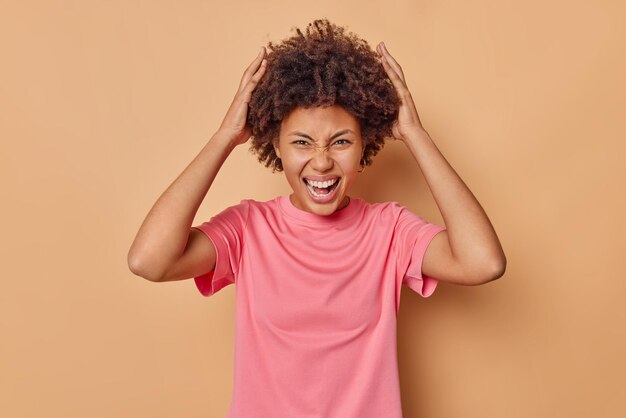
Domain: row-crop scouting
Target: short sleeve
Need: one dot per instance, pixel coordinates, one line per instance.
(412, 236)
(226, 231)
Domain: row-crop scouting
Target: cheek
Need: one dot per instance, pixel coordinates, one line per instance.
(349, 162)
(292, 168)
(294, 161)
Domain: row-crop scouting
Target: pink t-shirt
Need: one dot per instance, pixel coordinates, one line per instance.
(317, 299)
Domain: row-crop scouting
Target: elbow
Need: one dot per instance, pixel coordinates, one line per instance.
(497, 270)
(135, 266)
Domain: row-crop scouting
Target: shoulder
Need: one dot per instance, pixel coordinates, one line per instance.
(381, 206)
(260, 208)
(240, 208)
(390, 210)
(271, 204)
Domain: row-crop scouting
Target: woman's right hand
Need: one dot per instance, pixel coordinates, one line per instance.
(234, 124)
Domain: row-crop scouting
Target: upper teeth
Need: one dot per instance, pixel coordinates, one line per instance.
(322, 183)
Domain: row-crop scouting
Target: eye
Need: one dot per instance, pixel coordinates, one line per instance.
(304, 142)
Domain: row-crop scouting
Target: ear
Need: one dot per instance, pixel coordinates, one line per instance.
(276, 145)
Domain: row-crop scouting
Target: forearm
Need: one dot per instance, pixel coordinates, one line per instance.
(163, 235)
(470, 233)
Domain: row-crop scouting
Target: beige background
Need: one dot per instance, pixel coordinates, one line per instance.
(103, 104)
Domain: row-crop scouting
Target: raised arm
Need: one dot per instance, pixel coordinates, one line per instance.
(164, 234)
(468, 252)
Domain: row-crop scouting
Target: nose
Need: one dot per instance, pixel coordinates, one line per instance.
(322, 161)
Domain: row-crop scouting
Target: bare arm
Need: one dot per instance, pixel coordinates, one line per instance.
(163, 235)
(468, 251)
(161, 245)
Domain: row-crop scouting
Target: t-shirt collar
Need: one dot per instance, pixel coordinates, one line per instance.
(340, 215)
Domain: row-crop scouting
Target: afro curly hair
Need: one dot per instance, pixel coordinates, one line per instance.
(323, 67)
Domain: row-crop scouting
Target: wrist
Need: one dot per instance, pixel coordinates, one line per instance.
(224, 140)
(418, 135)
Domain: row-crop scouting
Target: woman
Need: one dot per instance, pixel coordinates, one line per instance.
(318, 273)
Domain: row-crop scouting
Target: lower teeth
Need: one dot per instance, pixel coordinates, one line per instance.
(320, 195)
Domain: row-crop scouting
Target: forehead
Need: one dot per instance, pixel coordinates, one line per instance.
(319, 121)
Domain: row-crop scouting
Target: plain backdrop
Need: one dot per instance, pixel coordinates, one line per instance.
(104, 103)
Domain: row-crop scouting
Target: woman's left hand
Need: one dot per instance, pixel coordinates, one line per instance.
(408, 122)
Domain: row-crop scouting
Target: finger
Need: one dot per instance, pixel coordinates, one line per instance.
(390, 60)
(252, 83)
(251, 69)
(244, 94)
(257, 76)
(393, 76)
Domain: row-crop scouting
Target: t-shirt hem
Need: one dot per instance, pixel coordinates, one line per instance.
(206, 283)
(414, 278)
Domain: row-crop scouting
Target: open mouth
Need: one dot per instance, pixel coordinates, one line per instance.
(318, 192)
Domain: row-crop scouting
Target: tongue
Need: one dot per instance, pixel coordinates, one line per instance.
(321, 190)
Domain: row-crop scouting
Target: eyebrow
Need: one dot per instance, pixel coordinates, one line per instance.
(332, 137)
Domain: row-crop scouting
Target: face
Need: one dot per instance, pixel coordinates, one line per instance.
(321, 150)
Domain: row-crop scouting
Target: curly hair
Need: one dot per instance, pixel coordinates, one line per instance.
(323, 67)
